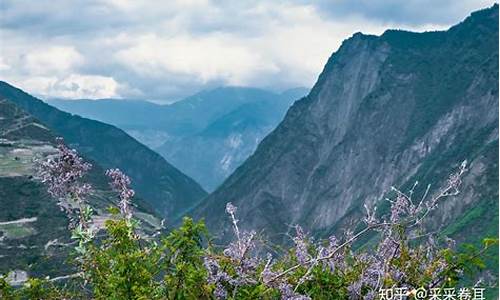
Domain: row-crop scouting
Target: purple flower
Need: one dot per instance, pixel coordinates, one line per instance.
(270, 280)
(217, 276)
(370, 295)
(451, 243)
(398, 275)
(336, 260)
(239, 252)
(63, 172)
(399, 208)
(267, 274)
(220, 292)
(370, 278)
(213, 269)
(230, 208)
(300, 240)
(386, 248)
(287, 293)
(372, 275)
(120, 184)
(238, 249)
(354, 289)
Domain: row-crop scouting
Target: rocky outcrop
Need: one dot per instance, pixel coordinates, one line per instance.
(386, 110)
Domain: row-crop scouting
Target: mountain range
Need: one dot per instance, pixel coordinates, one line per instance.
(386, 111)
(34, 234)
(168, 191)
(206, 135)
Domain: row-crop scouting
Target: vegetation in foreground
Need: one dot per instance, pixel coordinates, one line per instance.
(118, 262)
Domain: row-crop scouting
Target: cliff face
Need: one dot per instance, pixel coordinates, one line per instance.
(385, 111)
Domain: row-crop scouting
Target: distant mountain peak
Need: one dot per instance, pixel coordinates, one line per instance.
(191, 133)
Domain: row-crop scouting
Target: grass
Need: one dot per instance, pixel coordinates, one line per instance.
(16, 231)
(150, 219)
(474, 216)
(18, 160)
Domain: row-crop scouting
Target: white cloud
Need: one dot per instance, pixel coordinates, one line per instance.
(408, 12)
(3, 65)
(289, 51)
(162, 51)
(73, 86)
(52, 60)
(209, 58)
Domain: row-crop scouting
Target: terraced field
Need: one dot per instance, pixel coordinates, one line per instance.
(34, 236)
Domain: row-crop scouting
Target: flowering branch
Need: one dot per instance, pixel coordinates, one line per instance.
(62, 174)
(404, 213)
(120, 183)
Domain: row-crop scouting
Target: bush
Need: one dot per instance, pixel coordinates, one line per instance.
(185, 265)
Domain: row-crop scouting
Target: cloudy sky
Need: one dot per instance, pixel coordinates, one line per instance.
(165, 50)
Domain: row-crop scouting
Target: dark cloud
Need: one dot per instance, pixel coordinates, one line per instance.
(158, 51)
(60, 17)
(408, 12)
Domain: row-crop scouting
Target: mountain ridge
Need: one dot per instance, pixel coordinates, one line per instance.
(34, 234)
(167, 189)
(184, 132)
(378, 113)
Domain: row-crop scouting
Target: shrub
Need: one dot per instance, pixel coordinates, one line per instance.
(185, 265)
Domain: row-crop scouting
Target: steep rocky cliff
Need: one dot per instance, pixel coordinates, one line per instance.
(386, 110)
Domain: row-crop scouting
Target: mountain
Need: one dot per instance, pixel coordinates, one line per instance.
(166, 189)
(34, 235)
(118, 112)
(200, 110)
(213, 153)
(386, 111)
(225, 125)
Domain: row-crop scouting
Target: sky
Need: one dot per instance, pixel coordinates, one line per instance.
(166, 50)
